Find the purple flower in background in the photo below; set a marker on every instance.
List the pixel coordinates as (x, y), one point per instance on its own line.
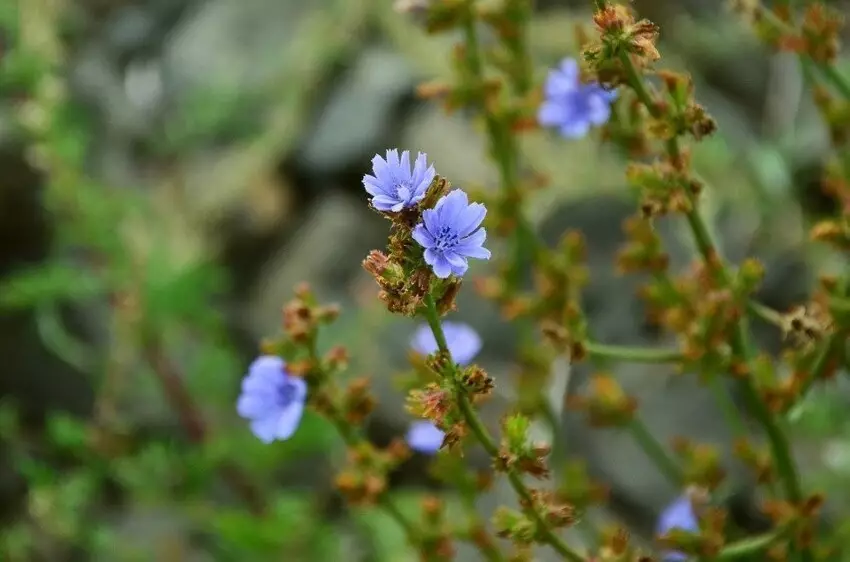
(571, 106)
(271, 399)
(464, 343)
(425, 437)
(450, 234)
(678, 515)
(394, 186)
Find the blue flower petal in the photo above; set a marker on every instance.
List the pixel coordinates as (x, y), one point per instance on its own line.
(570, 106)
(425, 437)
(450, 234)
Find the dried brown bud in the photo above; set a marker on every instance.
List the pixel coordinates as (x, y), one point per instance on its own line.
(477, 382)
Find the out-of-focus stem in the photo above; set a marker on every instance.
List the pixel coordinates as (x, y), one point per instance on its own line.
(504, 151)
(655, 451)
(746, 548)
(633, 354)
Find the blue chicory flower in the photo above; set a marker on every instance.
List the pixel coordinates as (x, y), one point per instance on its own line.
(463, 341)
(425, 437)
(571, 106)
(678, 515)
(450, 234)
(272, 399)
(394, 186)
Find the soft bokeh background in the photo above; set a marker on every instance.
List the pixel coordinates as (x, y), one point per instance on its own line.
(220, 147)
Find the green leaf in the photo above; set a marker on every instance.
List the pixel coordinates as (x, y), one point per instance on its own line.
(67, 432)
(49, 284)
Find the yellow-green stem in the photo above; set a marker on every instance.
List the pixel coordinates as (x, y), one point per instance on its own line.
(746, 548)
(633, 354)
(655, 451)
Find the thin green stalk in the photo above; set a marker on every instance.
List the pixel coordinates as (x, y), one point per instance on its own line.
(489, 444)
(352, 438)
(838, 81)
(655, 451)
(525, 244)
(745, 548)
(828, 71)
(633, 354)
(765, 313)
(728, 409)
(779, 445)
(740, 347)
(504, 151)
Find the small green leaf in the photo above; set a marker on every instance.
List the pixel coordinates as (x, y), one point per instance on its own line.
(49, 284)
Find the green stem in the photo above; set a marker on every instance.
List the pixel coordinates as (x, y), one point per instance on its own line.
(480, 432)
(655, 451)
(524, 242)
(740, 347)
(638, 85)
(765, 313)
(504, 151)
(750, 546)
(835, 78)
(779, 445)
(353, 439)
(727, 407)
(633, 354)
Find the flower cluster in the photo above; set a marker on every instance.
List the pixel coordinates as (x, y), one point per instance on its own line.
(435, 232)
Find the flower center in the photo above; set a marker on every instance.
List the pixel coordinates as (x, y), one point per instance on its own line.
(286, 394)
(403, 191)
(446, 239)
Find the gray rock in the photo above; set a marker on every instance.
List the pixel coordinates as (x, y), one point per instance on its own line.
(227, 45)
(337, 233)
(360, 114)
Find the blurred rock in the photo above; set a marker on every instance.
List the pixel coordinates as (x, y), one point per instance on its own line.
(458, 151)
(336, 234)
(360, 115)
